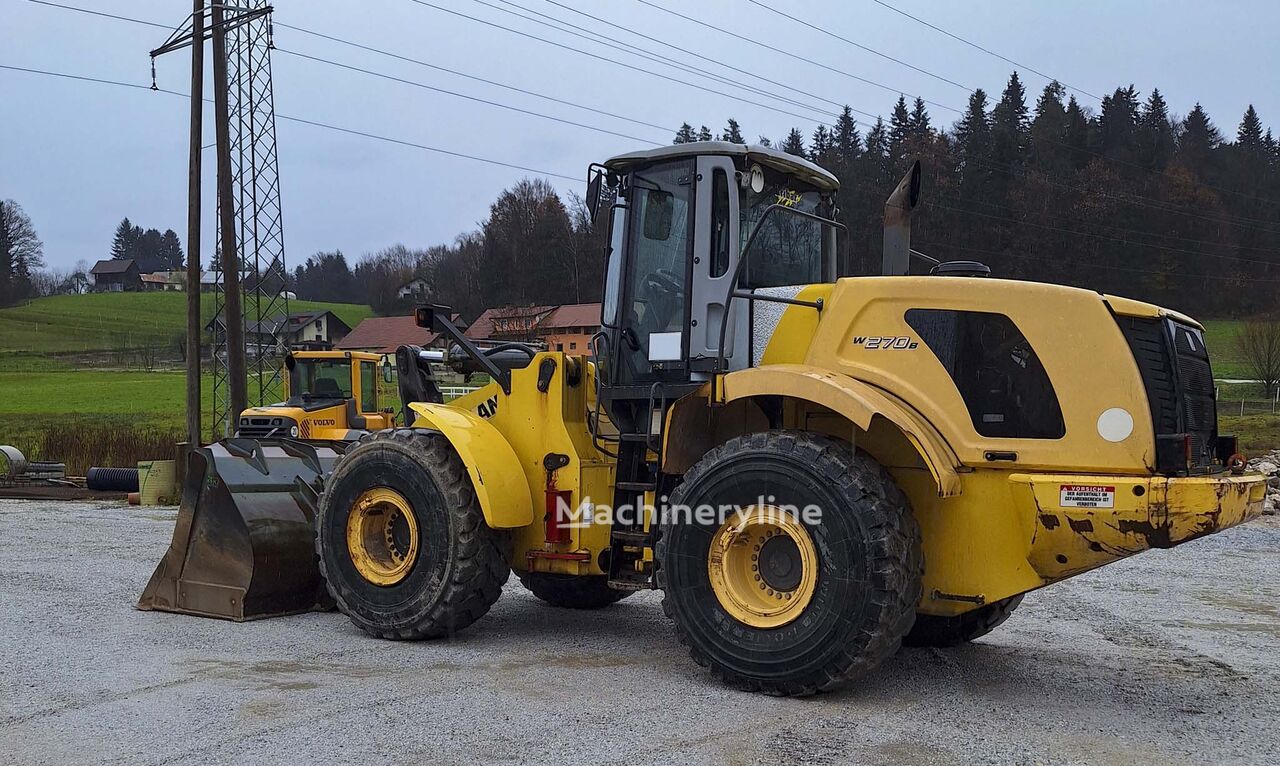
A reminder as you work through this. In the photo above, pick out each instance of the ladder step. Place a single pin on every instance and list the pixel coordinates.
(628, 537)
(633, 437)
(637, 486)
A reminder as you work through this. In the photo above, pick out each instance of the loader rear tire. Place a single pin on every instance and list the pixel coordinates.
(931, 630)
(454, 570)
(572, 591)
(821, 617)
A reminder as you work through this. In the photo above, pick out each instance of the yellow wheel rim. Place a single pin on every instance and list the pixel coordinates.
(382, 536)
(763, 567)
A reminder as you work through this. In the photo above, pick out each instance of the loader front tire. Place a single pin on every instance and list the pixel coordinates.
(572, 591)
(401, 540)
(931, 630)
(781, 603)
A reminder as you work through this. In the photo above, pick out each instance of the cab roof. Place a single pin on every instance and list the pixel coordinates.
(767, 156)
(365, 356)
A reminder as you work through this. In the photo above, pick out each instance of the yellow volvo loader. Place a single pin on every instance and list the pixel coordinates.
(813, 467)
(329, 396)
(242, 546)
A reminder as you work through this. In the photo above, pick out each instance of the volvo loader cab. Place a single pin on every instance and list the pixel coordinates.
(813, 467)
(329, 396)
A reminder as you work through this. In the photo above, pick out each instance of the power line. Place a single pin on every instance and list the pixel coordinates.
(100, 13)
(1139, 201)
(613, 61)
(304, 121)
(860, 46)
(598, 38)
(789, 54)
(675, 62)
(476, 99)
(931, 103)
(392, 55)
(457, 73)
(987, 51)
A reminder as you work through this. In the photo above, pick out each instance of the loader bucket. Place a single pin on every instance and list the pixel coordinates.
(244, 544)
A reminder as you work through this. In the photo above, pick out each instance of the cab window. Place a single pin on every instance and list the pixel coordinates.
(660, 244)
(789, 249)
(368, 387)
(1004, 386)
(320, 379)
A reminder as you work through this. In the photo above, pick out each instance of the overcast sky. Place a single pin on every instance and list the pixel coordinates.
(79, 157)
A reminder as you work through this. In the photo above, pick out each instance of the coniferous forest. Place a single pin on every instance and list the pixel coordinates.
(1130, 198)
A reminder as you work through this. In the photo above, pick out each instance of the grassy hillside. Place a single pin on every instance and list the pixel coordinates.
(1220, 337)
(106, 321)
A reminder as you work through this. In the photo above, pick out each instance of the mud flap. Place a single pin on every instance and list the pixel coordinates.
(244, 544)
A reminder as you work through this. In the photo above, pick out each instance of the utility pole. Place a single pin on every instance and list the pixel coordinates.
(245, 129)
(233, 317)
(193, 225)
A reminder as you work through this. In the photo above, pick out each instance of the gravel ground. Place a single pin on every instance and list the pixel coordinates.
(1169, 657)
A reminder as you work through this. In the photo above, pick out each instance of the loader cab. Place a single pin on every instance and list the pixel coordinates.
(688, 226)
(329, 395)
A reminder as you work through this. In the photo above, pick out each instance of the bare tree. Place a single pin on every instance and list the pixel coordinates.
(1259, 344)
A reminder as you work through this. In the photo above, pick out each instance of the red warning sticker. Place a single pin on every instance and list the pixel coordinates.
(1086, 496)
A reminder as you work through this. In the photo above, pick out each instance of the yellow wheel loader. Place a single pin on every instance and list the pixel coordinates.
(329, 396)
(242, 546)
(814, 467)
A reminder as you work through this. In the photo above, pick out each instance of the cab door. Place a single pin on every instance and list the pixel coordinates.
(366, 403)
(715, 257)
(650, 341)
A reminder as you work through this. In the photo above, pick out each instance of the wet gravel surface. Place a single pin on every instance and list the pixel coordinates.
(1169, 657)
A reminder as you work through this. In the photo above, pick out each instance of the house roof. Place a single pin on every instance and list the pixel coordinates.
(158, 277)
(113, 266)
(386, 334)
(298, 319)
(482, 328)
(572, 315)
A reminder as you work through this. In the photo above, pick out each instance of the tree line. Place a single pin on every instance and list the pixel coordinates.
(1127, 199)
(532, 248)
(150, 249)
(21, 254)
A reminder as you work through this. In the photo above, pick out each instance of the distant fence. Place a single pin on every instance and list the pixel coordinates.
(453, 392)
(1241, 397)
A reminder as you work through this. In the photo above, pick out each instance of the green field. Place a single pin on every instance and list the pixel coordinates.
(1220, 337)
(44, 388)
(108, 321)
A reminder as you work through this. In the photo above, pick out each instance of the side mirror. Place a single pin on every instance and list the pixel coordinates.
(595, 181)
(386, 371)
(659, 209)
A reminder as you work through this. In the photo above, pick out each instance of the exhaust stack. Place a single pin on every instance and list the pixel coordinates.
(896, 260)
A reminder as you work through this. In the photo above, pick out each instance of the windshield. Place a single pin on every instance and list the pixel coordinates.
(789, 248)
(320, 379)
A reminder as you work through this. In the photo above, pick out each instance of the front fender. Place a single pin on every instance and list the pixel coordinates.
(858, 401)
(495, 471)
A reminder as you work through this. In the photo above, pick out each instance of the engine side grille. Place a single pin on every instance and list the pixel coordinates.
(1151, 352)
(1179, 383)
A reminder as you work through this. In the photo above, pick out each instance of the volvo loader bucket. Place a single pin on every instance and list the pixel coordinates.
(244, 544)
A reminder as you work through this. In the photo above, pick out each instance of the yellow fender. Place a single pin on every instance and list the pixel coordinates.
(495, 471)
(858, 401)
